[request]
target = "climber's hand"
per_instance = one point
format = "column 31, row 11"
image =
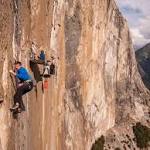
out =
column 12, row 72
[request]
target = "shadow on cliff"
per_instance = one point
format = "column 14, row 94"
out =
column 37, row 74
column 36, row 71
column 72, row 35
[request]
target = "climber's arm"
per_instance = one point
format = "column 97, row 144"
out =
column 12, row 72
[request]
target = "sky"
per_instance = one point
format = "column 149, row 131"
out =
column 137, row 12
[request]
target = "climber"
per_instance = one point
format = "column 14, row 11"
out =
column 46, row 70
column 42, row 55
column 49, row 68
column 25, row 85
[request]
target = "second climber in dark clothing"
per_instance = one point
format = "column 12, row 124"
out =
column 25, row 85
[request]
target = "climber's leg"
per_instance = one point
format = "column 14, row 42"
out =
column 21, row 90
column 21, row 105
column 18, row 98
column 29, row 86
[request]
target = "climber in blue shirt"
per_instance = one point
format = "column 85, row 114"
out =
column 22, row 74
column 42, row 55
column 24, row 85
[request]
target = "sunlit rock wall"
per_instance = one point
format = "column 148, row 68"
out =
column 96, row 81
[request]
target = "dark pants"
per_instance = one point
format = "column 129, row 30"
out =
column 21, row 90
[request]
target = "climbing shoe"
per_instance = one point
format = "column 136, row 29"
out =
column 15, row 107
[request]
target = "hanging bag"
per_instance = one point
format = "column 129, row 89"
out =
column 52, row 69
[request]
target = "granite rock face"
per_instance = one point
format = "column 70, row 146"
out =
column 96, row 90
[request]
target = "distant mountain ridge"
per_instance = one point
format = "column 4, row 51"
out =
column 143, row 59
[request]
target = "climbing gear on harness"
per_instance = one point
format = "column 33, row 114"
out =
column 28, row 81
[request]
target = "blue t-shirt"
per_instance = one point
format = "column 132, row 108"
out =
column 42, row 56
column 23, row 75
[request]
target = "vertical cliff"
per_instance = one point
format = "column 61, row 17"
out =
column 96, row 90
